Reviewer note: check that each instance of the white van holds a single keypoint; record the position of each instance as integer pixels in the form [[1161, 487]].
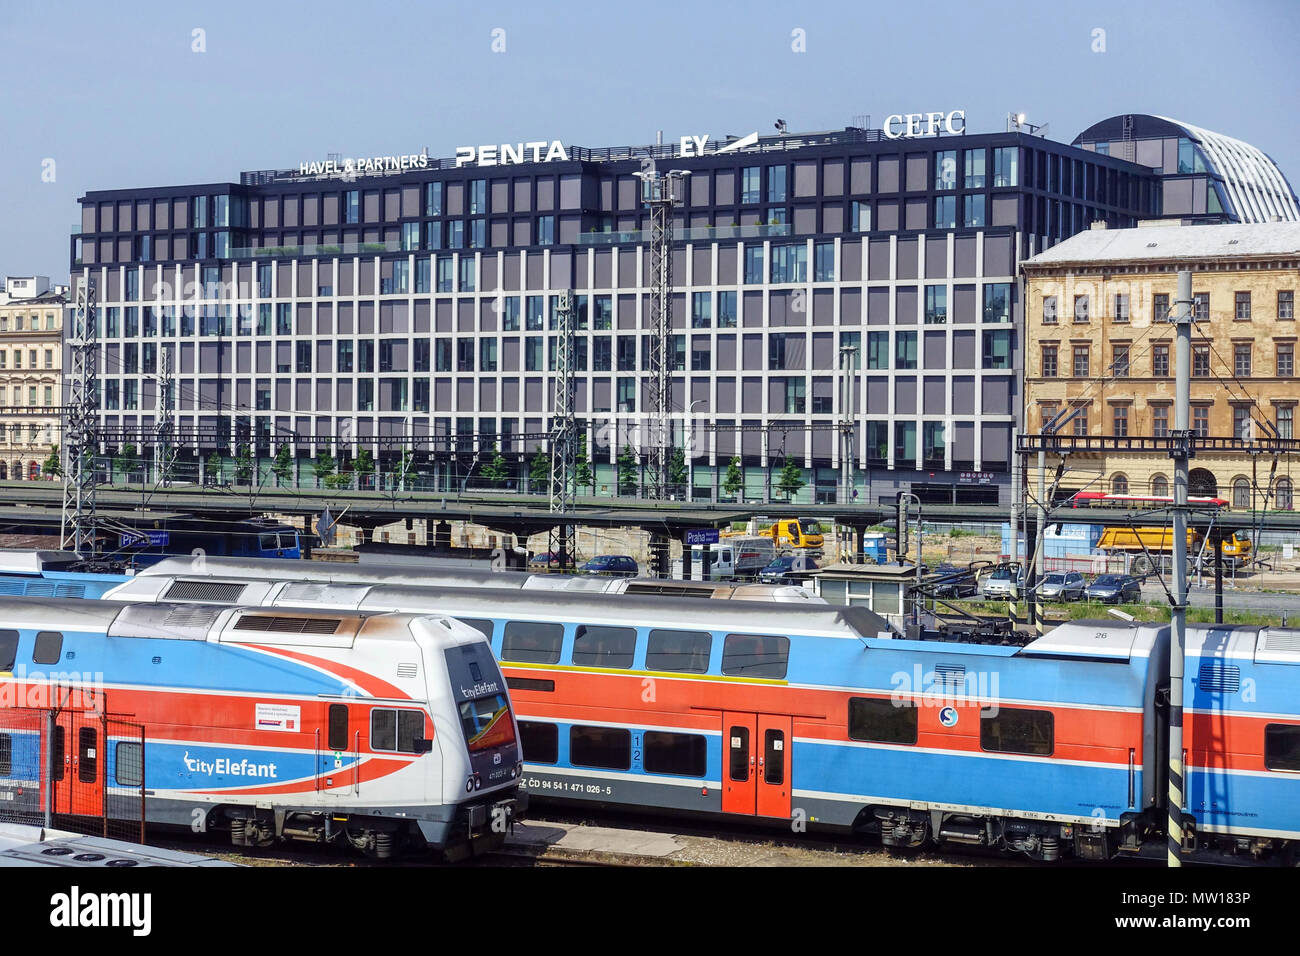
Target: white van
[[738, 558]]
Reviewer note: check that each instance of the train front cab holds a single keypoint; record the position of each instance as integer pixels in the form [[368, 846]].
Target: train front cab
[[1241, 739]]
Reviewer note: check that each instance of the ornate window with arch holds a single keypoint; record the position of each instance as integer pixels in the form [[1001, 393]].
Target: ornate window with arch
[[1119, 485], [1284, 490], [1241, 493], [1160, 486]]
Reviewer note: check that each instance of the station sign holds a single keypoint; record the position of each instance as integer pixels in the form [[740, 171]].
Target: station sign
[[147, 539], [976, 477], [701, 536]]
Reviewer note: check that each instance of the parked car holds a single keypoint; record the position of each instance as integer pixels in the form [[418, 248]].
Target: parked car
[[618, 565], [1115, 589], [1063, 586], [540, 562], [956, 588], [788, 569], [1003, 583]]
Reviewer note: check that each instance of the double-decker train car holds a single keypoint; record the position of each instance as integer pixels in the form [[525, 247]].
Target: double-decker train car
[[746, 710], [1241, 739], [380, 730]]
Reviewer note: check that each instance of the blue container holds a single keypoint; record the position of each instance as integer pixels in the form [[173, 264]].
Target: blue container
[[876, 547]]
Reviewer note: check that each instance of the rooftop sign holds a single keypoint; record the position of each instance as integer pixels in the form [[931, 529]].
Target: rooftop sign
[[913, 125], [367, 165]]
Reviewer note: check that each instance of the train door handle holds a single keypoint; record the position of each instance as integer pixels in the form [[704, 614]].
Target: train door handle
[[751, 761]]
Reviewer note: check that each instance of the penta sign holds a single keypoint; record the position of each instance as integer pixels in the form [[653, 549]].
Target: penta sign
[[508, 154], [912, 125]]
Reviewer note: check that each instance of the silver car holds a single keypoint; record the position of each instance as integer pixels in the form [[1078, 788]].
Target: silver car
[[1063, 586], [1003, 583]]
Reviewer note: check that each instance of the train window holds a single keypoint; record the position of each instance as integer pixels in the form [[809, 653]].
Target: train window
[[774, 756], [607, 747], [395, 730], [57, 757], [486, 722], [739, 739], [597, 646], [49, 647], [531, 683], [128, 764], [6, 755], [1017, 731], [1282, 747], [532, 643], [87, 755], [755, 655], [338, 727], [8, 649], [882, 721], [540, 741], [683, 755], [682, 651], [484, 627]]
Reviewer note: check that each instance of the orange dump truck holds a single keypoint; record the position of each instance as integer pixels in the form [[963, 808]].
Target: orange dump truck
[[1160, 541]]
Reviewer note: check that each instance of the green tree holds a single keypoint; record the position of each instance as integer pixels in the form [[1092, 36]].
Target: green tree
[[324, 467], [364, 467], [214, 467], [539, 472], [282, 466], [341, 480], [52, 465], [244, 465], [126, 461], [734, 481], [678, 473], [583, 475], [495, 470], [791, 479], [627, 468]]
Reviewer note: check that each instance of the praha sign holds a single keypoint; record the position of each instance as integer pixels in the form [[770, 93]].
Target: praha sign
[[911, 125]]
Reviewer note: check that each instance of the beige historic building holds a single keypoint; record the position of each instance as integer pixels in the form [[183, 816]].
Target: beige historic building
[[1097, 344], [31, 360]]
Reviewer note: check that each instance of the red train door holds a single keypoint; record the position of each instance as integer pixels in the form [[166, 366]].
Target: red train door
[[773, 777], [739, 763], [79, 779], [756, 765]]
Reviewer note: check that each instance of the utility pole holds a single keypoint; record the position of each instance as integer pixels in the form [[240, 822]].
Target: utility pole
[[165, 451], [563, 437], [1180, 452], [661, 192], [848, 360], [81, 425]]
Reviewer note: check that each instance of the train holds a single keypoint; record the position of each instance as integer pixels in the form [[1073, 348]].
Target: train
[[821, 715], [387, 732], [246, 538]]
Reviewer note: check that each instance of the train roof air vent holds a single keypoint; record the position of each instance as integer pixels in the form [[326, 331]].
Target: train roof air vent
[[220, 592], [191, 616], [288, 625]]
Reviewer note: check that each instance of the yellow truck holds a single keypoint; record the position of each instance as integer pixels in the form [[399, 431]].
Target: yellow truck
[[796, 533], [1160, 541]]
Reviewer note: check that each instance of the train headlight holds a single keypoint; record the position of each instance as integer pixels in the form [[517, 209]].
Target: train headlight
[[478, 782], [469, 785]]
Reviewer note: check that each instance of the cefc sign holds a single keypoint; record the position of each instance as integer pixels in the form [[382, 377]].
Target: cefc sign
[[909, 125]]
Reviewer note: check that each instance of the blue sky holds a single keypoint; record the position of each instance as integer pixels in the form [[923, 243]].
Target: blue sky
[[116, 97]]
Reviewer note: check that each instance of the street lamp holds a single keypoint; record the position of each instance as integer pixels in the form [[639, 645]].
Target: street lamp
[[690, 453]]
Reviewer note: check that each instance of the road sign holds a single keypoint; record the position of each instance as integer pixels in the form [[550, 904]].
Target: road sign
[[701, 536], [147, 539]]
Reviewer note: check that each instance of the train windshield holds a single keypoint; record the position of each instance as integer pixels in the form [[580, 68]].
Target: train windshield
[[487, 722]]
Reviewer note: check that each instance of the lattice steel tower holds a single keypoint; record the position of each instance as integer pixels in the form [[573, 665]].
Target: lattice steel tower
[[661, 192], [165, 449], [80, 426], [564, 433]]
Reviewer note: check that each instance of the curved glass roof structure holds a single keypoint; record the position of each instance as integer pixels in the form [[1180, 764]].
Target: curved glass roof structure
[[1241, 183]]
